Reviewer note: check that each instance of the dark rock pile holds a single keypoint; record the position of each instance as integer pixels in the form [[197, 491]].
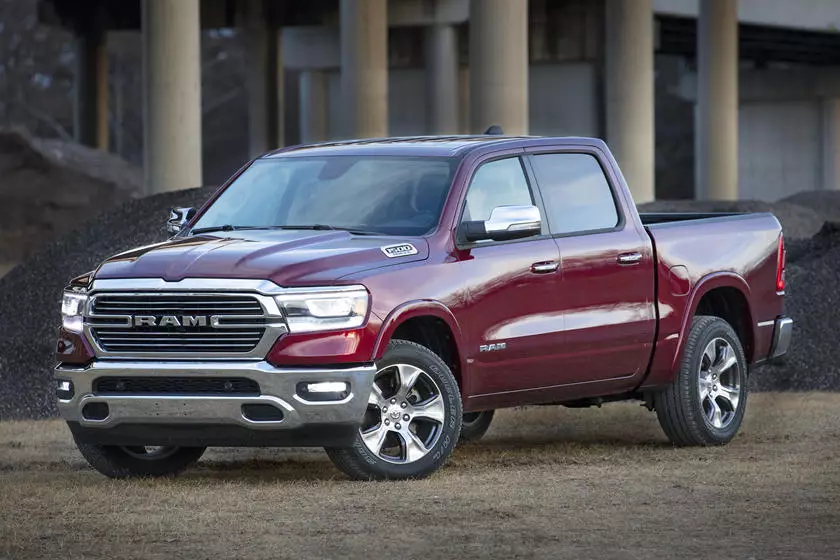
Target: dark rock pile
[[30, 294]]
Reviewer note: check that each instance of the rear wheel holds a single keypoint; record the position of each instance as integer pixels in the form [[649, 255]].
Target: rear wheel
[[475, 424], [705, 404], [412, 421], [138, 461]]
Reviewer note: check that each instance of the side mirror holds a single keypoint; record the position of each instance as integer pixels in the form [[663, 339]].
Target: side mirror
[[505, 223], [178, 218]]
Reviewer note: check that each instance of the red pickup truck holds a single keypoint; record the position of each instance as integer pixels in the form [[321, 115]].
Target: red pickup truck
[[381, 298]]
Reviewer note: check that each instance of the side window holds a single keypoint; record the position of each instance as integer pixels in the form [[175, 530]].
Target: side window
[[576, 193], [497, 183]]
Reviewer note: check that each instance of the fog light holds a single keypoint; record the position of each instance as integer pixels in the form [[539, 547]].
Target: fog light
[[323, 391], [327, 387], [64, 390]]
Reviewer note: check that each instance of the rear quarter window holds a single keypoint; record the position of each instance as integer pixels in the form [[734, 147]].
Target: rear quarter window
[[577, 195]]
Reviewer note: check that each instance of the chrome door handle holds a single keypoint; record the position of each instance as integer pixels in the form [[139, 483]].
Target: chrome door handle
[[544, 267], [629, 258]]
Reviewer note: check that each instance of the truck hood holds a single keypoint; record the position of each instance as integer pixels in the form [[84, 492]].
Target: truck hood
[[286, 257]]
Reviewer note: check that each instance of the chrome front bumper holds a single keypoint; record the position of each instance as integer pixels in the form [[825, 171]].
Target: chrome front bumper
[[216, 419], [782, 334]]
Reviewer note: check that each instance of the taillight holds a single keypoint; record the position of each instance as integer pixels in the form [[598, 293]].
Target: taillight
[[780, 266]]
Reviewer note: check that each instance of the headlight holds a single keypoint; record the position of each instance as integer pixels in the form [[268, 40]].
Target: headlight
[[325, 309], [72, 310]]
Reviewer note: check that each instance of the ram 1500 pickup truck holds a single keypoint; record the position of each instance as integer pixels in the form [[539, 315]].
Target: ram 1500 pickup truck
[[381, 298]]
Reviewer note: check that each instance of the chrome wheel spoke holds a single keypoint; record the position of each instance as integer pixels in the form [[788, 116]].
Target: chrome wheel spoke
[[413, 448], [375, 438], [407, 376], [376, 396], [730, 394], [726, 360], [715, 414], [431, 410], [710, 354]]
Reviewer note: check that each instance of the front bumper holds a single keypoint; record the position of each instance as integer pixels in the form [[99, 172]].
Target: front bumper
[[782, 334], [212, 419]]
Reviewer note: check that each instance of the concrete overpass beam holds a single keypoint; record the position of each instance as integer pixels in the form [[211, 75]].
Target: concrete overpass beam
[[90, 111], [717, 100], [172, 94], [442, 78], [629, 96], [364, 67], [499, 65]]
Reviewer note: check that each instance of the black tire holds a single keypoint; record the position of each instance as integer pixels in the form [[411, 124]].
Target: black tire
[[475, 424], [127, 462], [359, 462], [682, 413]]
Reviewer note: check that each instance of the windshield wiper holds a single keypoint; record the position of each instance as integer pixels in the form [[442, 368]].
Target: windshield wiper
[[226, 227], [325, 227]]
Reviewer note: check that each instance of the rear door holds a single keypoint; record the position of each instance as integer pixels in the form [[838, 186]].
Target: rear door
[[606, 275]]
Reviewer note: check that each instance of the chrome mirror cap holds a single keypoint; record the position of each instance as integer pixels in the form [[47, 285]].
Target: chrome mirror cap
[[505, 223], [178, 218]]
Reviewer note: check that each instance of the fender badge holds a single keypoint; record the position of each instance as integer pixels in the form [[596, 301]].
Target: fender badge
[[399, 250]]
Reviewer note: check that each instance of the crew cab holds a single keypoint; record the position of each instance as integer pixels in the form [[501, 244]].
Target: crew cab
[[381, 298]]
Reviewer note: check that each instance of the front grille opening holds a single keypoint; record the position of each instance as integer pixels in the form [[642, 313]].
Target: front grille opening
[[219, 386], [262, 412], [163, 324], [95, 411]]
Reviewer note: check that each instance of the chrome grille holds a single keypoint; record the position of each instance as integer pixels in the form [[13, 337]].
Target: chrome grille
[[230, 324]]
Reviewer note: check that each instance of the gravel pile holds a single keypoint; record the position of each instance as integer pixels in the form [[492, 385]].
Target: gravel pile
[[824, 203], [812, 299], [31, 292]]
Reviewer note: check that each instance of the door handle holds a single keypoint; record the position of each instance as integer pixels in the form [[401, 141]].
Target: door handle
[[545, 267], [629, 258]]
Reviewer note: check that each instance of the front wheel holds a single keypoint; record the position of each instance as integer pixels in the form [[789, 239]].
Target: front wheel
[[706, 402], [412, 421], [138, 461]]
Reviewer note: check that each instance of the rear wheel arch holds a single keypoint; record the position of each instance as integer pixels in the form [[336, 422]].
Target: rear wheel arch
[[725, 295]]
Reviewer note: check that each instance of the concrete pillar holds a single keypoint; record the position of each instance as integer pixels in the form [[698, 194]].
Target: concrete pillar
[[831, 144], [364, 67], [717, 100], [314, 106], [629, 95], [442, 79], [264, 78], [90, 113], [172, 94], [499, 65]]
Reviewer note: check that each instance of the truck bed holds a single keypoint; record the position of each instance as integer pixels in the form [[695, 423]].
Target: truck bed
[[653, 218]]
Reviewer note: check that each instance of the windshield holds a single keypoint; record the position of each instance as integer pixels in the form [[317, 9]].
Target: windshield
[[389, 195]]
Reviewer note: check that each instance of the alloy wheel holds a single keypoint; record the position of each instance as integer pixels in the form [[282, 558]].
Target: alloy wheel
[[719, 382], [405, 414]]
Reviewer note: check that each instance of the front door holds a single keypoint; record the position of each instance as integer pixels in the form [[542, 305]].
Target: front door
[[513, 331]]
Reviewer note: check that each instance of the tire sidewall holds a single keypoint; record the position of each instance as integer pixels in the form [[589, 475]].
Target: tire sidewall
[[400, 352], [711, 329]]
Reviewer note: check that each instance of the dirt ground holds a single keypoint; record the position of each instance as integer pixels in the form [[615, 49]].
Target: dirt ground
[[544, 483]]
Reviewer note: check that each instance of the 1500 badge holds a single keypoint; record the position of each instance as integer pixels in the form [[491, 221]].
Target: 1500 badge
[[399, 250]]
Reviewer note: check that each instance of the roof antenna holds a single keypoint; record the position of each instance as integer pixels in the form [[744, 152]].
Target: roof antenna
[[495, 130]]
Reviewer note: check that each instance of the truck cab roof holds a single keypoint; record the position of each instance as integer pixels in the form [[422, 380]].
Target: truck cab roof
[[439, 146]]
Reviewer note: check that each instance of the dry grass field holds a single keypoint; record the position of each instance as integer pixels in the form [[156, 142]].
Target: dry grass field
[[545, 483]]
